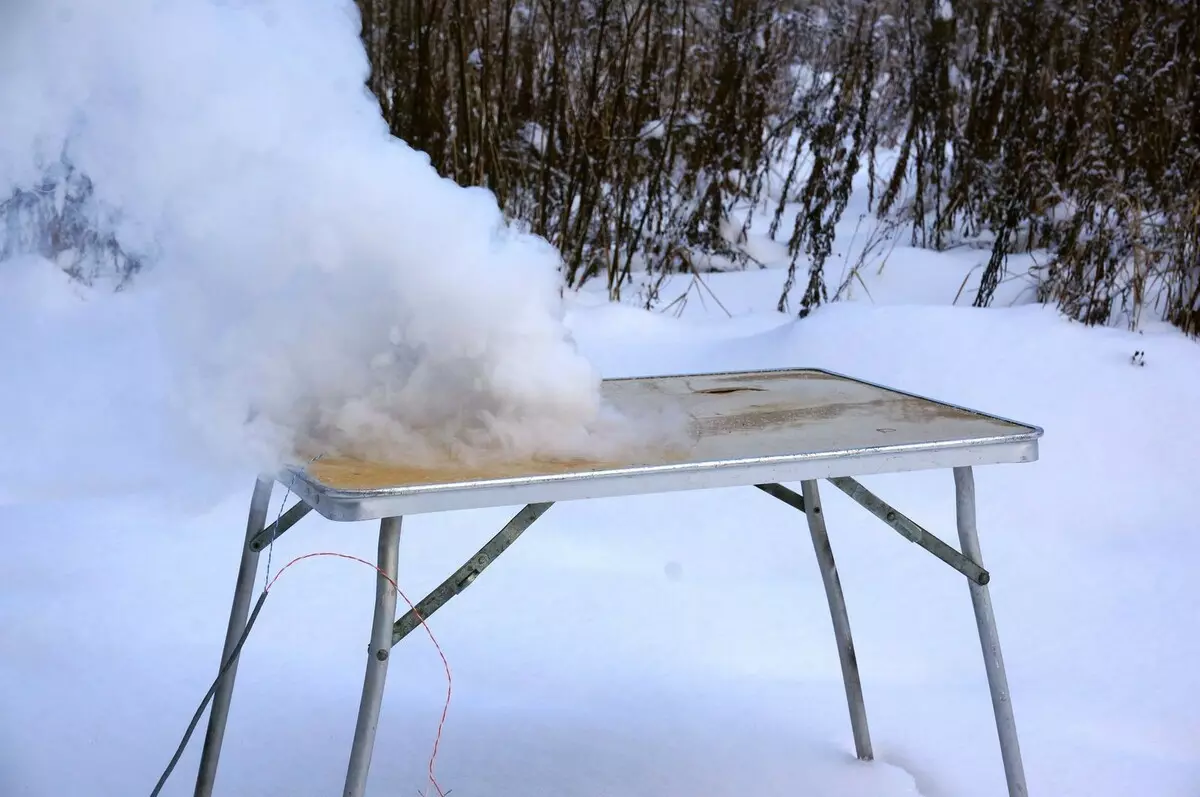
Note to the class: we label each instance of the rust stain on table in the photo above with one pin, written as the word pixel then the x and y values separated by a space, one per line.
pixel 346 473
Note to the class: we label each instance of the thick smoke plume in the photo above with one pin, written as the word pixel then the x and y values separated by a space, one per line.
pixel 322 288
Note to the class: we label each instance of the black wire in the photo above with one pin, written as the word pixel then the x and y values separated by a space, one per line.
pixel 233 656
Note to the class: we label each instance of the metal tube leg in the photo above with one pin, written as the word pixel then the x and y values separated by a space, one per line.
pixel 242 593
pixel 989 638
pixel 377 660
pixel 841 620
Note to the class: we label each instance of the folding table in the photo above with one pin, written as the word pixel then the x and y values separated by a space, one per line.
pixel 757 429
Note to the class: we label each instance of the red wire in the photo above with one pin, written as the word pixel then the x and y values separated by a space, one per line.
pixel 446 664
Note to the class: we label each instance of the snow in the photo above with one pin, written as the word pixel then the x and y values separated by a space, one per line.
pixel 657 646
pixel 653 645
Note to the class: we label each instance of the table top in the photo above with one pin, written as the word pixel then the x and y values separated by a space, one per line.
pixel 744 428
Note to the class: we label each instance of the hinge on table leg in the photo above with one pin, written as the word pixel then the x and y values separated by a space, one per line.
pixel 275 530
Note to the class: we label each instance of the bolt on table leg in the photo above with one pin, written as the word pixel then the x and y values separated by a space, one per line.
pixel 989 638
pixel 242 593
pixel 377 660
pixel 841 620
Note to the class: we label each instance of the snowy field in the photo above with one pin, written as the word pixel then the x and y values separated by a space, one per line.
pixel 654 646
pixel 670 646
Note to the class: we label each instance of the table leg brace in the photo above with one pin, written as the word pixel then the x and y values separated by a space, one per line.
pixel 377 660
pixel 989 638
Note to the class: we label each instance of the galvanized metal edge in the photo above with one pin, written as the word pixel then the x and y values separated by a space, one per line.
pixel 349 505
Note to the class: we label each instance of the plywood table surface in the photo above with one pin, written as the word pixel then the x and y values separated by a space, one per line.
pixel 734 422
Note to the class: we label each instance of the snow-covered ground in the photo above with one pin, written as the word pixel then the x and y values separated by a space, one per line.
pixel 657 646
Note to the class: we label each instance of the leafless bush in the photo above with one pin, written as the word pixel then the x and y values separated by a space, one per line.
pixel 1072 127
pixel 626 131
pixel 622 130
pixel 54 219
pixel 631 134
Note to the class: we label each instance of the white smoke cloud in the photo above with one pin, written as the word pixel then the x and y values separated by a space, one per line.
pixel 323 289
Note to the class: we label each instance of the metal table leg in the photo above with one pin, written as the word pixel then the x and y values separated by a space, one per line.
pixel 242 593
pixel 377 660
pixel 841 620
pixel 989 638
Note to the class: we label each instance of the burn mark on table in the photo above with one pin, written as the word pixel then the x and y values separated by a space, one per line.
pixel 721 391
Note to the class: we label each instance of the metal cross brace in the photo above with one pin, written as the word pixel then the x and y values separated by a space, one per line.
pixel 455 584
pixel 903 525
pixel 276 530
pixel 462 578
